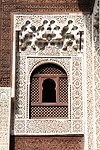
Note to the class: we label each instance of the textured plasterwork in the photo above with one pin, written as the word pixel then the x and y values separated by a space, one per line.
pixel 37 19
pixel 90 101
pixel 49 35
pixel 27 61
pixel 96 48
pixel 5 117
pixel 97 98
pixel 20 87
pixel 3 147
pixel 76 93
pixel 20 126
pixel 77 126
pixel 22 99
pixel 48 126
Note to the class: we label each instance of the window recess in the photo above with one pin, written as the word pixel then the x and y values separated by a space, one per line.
pixel 48 92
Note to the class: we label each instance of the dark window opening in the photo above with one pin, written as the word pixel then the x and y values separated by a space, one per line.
pixel 48 92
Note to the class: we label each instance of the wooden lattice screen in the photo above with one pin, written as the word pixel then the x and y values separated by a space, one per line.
pixel 38 109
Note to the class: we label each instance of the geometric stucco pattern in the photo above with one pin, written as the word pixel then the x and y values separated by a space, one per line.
pixel 77 102
pixel 38 126
pixel 96 48
pixel 5 100
pixel 48 126
pixel 97 100
pixel 22 124
pixel 89 103
pixel 20 88
pixel 20 20
pixel 70 61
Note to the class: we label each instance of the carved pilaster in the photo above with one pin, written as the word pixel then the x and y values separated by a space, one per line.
pixel 5 101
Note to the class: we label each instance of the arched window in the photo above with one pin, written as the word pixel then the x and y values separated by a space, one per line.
pixel 48 92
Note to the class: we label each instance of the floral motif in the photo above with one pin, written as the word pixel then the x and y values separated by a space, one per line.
pixel 50 34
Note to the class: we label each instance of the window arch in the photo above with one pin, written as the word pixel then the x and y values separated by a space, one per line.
pixel 48 90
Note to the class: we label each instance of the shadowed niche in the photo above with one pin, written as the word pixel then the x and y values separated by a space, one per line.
pixel 86 5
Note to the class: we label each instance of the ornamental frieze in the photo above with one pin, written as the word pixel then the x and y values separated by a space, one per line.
pixel 50 34
pixel 57 35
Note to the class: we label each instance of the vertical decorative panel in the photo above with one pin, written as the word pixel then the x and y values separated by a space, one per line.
pixel 96 49
pixel 21 93
pixel 89 114
pixel 77 102
pixel 5 100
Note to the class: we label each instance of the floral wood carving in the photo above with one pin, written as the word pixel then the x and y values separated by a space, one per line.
pixel 50 34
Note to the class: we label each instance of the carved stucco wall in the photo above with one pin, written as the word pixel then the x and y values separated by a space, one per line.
pixel 5 100
pixel 79 66
pixel 70 59
pixel 96 49
pixel 89 103
pixel 89 61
